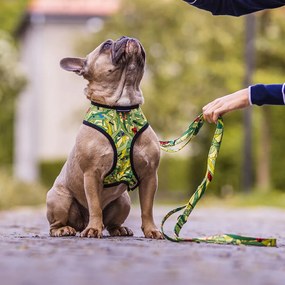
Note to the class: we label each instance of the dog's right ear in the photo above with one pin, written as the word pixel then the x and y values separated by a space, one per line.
pixel 74 64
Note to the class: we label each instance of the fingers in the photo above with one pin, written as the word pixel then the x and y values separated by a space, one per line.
pixel 225 104
pixel 213 110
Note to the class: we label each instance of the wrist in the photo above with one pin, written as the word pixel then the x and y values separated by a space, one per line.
pixel 243 97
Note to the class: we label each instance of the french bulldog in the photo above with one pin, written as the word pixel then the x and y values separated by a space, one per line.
pixel 80 199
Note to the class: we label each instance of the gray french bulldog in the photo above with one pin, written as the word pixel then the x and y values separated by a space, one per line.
pixel 86 197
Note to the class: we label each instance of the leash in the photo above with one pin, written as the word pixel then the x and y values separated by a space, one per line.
pixel 178 144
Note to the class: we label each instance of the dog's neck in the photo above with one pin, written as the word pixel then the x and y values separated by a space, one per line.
pixel 121 95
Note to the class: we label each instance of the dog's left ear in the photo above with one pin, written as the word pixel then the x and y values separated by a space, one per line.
pixel 74 64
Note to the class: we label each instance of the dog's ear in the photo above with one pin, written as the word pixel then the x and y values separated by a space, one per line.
pixel 74 64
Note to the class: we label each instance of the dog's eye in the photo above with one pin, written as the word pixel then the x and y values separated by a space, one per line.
pixel 107 45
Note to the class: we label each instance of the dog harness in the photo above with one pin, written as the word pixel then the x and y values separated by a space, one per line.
pixel 121 126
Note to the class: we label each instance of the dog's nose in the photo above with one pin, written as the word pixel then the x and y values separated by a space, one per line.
pixel 123 38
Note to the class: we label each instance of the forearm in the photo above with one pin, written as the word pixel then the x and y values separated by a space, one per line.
pixel 259 94
pixel 272 94
pixel 225 104
pixel 235 7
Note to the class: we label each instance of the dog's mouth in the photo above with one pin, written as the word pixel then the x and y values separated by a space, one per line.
pixel 125 48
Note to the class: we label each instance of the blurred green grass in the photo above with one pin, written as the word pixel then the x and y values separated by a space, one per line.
pixel 256 198
pixel 14 193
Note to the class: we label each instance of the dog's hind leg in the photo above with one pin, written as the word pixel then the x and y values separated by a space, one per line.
pixel 115 214
pixel 58 207
pixel 78 216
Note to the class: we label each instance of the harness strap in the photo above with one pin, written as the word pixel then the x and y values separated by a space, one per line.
pixel 176 145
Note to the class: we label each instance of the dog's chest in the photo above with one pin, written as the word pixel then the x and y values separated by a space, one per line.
pixel 121 126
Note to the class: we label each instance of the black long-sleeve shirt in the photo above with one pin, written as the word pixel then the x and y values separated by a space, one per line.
pixel 260 94
pixel 235 7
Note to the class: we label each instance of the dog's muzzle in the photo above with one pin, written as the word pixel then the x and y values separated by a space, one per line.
pixel 120 46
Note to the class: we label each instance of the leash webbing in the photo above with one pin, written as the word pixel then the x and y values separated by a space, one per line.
pixel 176 145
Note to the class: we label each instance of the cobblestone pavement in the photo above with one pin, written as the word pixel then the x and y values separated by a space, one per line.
pixel 29 256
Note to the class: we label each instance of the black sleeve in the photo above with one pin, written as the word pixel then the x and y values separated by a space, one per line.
pixel 235 7
pixel 270 94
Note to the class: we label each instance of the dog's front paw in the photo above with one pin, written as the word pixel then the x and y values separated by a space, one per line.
pixel 119 231
pixel 63 232
pixel 92 232
pixel 153 233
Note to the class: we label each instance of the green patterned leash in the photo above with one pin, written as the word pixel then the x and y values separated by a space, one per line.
pixel 176 145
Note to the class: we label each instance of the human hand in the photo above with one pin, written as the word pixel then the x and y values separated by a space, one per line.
pixel 225 104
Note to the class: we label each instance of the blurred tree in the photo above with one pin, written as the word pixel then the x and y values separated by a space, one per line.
pixel 11 78
pixel 11 13
pixel 188 63
pixel 249 57
pixel 270 68
pixel 193 58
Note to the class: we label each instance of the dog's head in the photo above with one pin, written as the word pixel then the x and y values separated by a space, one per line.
pixel 114 71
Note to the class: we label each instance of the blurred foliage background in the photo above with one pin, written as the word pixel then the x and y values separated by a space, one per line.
pixel 12 80
pixel 192 58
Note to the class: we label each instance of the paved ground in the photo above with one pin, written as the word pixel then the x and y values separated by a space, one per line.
pixel 29 256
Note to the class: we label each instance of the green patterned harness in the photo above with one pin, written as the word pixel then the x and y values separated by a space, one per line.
pixel 122 126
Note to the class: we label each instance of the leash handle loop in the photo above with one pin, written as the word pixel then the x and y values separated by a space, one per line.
pixel 179 143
